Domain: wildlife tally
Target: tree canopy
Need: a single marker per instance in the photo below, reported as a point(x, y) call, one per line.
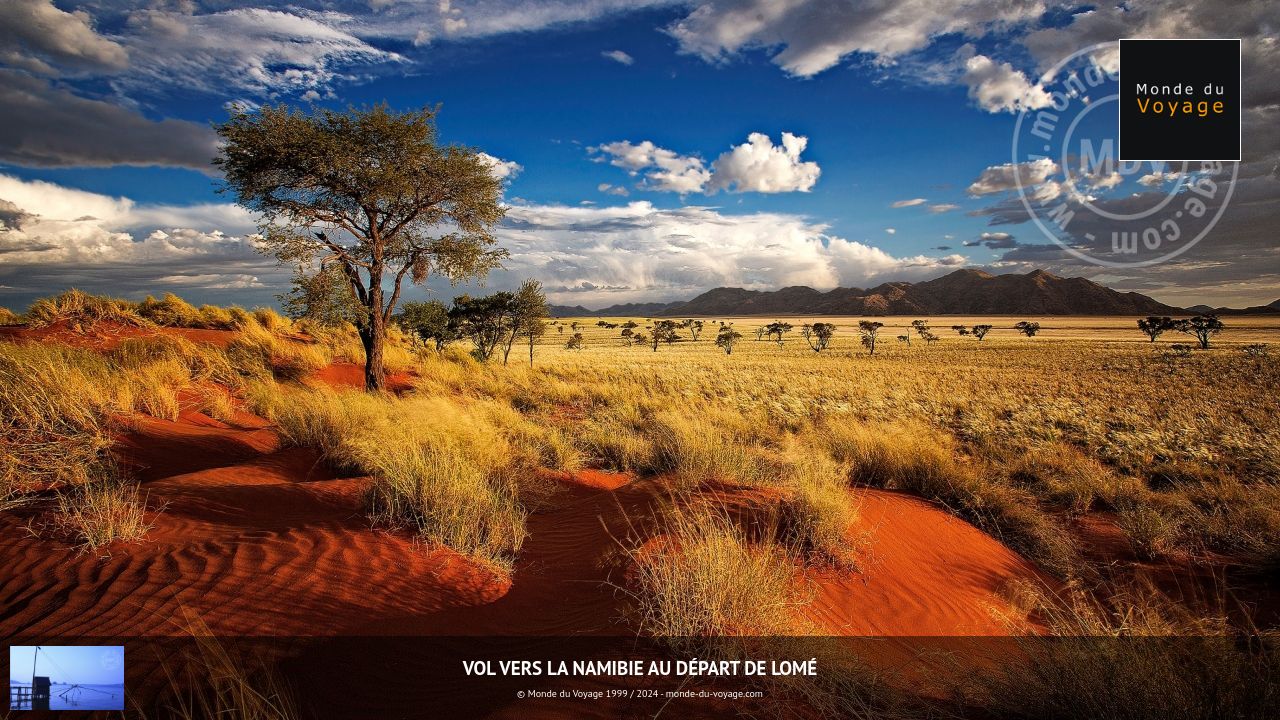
point(368, 191)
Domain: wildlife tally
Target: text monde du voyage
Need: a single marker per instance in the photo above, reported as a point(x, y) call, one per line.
point(1179, 99)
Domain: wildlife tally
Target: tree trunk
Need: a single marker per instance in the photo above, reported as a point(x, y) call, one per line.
point(374, 335)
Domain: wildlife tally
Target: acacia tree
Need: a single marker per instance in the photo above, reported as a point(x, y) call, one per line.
point(531, 314)
point(1026, 327)
point(1154, 326)
point(869, 330)
point(695, 329)
point(921, 327)
point(818, 335)
point(1203, 327)
point(776, 330)
point(369, 191)
point(726, 338)
point(525, 317)
point(429, 321)
point(487, 321)
point(663, 331)
point(980, 331)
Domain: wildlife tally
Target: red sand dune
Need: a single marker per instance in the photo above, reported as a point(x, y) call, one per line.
point(351, 375)
point(925, 572)
point(259, 540)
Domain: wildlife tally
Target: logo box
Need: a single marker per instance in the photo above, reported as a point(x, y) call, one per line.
point(1180, 100)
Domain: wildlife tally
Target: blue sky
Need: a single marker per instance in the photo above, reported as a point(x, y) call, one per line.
point(645, 149)
point(75, 664)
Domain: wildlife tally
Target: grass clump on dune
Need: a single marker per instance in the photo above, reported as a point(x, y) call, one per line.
point(258, 353)
point(921, 460)
point(9, 317)
point(444, 469)
point(82, 311)
point(101, 512)
point(705, 578)
point(51, 429)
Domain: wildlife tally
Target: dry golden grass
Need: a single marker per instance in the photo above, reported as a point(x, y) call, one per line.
point(1135, 655)
point(450, 471)
point(83, 311)
point(1012, 433)
point(706, 578)
point(101, 512)
point(208, 680)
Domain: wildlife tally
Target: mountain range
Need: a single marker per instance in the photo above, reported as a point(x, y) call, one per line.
point(963, 292)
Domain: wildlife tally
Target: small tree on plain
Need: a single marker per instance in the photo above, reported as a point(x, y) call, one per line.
point(1027, 328)
point(760, 331)
point(1154, 326)
point(921, 327)
point(960, 330)
point(930, 338)
point(528, 317)
point(1203, 327)
point(695, 329)
point(869, 330)
point(664, 331)
point(726, 338)
point(574, 342)
point(980, 331)
point(777, 330)
point(429, 321)
point(818, 335)
point(487, 321)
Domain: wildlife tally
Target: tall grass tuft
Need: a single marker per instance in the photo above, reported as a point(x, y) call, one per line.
point(83, 311)
point(51, 430)
point(260, 354)
point(106, 510)
point(210, 681)
point(705, 578)
point(444, 469)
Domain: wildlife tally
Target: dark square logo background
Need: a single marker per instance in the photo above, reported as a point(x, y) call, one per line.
point(1179, 62)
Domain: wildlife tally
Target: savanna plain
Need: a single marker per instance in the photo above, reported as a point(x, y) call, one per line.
point(1080, 523)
